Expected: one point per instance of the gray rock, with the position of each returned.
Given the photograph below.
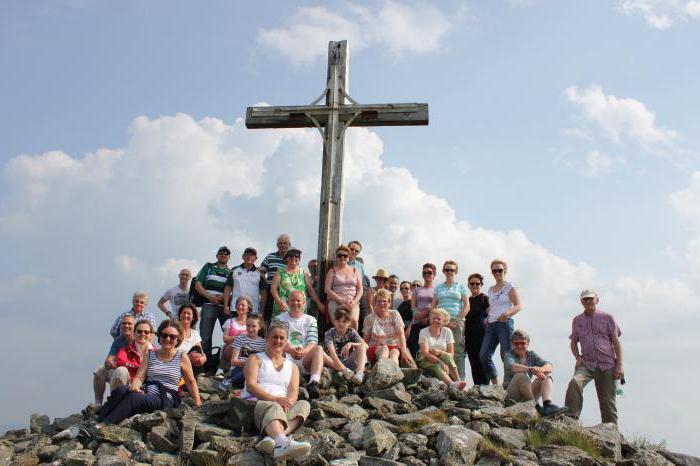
(424, 416)
(67, 434)
(607, 438)
(511, 438)
(39, 423)
(107, 449)
(411, 375)
(412, 461)
(66, 448)
(376, 438)
(116, 434)
(432, 429)
(145, 422)
(207, 384)
(333, 423)
(373, 461)
(432, 384)
(430, 398)
(524, 411)
(372, 402)
(62, 423)
(385, 373)
(187, 436)
(646, 458)
(204, 432)
(343, 462)
(488, 413)
(457, 445)
(413, 440)
(492, 392)
(351, 400)
(139, 451)
(455, 421)
(80, 458)
(161, 439)
(111, 460)
(206, 458)
(165, 459)
(488, 461)
(479, 426)
(353, 413)
(249, 458)
(396, 393)
(551, 455)
(230, 446)
(47, 453)
(680, 459)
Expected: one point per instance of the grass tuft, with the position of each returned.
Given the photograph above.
(489, 448)
(563, 436)
(640, 441)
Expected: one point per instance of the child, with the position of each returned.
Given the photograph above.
(251, 342)
(340, 341)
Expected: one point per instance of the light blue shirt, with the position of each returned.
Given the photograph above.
(449, 298)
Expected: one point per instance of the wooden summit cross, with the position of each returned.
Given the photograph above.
(332, 119)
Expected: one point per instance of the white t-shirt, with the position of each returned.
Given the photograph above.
(245, 283)
(499, 302)
(238, 329)
(188, 343)
(396, 300)
(177, 297)
(302, 329)
(440, 342)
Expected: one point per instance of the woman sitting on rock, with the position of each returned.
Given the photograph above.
(437, 349)
(155, 384)
(236, 326)
(129, 356)
(383, 332)
(519, 366)
(191, 343)
(273, 380)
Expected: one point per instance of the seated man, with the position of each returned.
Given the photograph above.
(519, 366)
(302, 345)
(139, 301)
(345, 348)
(109, 371)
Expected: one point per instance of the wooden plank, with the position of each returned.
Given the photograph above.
(402, 114)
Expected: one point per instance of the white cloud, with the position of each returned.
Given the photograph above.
(180, 188)
(686, 202)
(597, 163)
(621, 119)
(402, 28)
(662, 14)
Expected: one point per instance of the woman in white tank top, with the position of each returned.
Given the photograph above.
(273, 380)
(504, 303)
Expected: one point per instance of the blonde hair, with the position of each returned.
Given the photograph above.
(386, 294)
(499, 261)
(451, 262)
(440, 312)
(343, 248)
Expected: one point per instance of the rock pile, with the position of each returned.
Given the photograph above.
(397, 417)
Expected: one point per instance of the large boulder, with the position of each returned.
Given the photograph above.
(353, 413)
(607, 438)
(646, 458)
(492, 392)
(376, 439)
(552, 455)
(116, 434)
(385, 373)
(511, 438)
(457, 445)
(679, 459)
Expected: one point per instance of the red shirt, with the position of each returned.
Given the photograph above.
(129, 357)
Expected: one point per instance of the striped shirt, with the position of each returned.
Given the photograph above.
(271, 263)
(213, 278)
(248, 346)
(168, 373)
(302, 330)
(115, 331)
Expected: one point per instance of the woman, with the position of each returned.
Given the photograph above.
(191, 344)
(421, 303)
(437, 346)
(519, 366)
(381, 280)
(474, 327)
(161, 370)
(273, 380)
(452, 297)
(344, 286)
(291, 277)
(504, 303)
(236, 325)
(405, 308)
(383, 332)
(129, 356)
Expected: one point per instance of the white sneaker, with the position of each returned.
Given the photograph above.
(358, 378)
(291, 450)
(266, 445)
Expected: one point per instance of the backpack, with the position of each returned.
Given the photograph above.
(196, 298)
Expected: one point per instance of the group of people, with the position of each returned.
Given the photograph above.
(273, 320)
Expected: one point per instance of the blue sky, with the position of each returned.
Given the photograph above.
(563, 136)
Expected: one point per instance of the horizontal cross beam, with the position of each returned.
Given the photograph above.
(369, 115)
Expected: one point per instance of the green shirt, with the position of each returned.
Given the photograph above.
(213, 278)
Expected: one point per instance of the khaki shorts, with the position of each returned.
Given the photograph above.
(333, 305)
(115, 377)
(268, 411)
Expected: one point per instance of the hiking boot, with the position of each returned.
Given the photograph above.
(266, 445)
(552, 410)
(538, 408)
(313, 390)
(291, 450)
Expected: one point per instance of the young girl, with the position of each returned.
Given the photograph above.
(251, 342)
(236, 325)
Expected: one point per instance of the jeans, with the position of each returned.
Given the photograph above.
(210, 314)
(122, 404)
(237, 377)
(497, 333)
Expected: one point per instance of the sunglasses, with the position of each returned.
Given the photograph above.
(427, 272)
(474, 284)
(498, 270)
(168, 336)
(143, 332)
(449, 270)
(519, 343)
(343, 255)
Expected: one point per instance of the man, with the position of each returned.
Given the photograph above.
(354, 261)
(268, 267)
(393, 286)
(177, 295)
(595, 343)
(109, 372)
(210, 284)
(138, 310)
(302, 345)
(244, 280)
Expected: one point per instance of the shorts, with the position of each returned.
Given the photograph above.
(348, 362)
(372, 352)
(267, 411)
(333, 305)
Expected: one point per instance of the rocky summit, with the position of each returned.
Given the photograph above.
(398, 417)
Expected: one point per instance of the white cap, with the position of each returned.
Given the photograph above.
(589, 293)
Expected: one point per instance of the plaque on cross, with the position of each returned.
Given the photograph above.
(332, 119)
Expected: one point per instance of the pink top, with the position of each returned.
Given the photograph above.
(595, 333)
(424, 297)
(343, 286)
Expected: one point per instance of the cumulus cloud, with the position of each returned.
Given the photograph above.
(179, 188)
(620, 119)
(598, 163)
(662, 14)
(686, 203)
(402, 28)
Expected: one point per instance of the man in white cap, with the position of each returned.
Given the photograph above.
(595, 343)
